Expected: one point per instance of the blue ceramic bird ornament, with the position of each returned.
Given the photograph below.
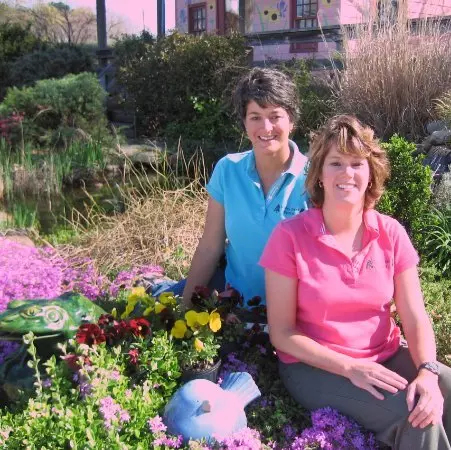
(202, 409)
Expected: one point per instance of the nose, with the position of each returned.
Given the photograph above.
(267, 125)
(349, 170)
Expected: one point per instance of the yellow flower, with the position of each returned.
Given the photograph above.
(136, 294)
(215, 321)
(195, 319)
(179, 329)
(147, 311)
(159, 307)
(198, 344)
(168, 299)
(114, 313)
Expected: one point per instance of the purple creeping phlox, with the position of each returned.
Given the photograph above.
(112, 413)
(158, 429)
(331, 430)
(30, 272)
(245, 439)
(233, 364)
(127, 278)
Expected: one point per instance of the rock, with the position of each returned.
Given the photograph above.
(420, 150)
(149, 158)
(132, 149)
(441, 137)
(438, 159)
(436, 125)
(17, 236)
(112, 170)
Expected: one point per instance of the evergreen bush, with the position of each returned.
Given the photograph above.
(59, 111)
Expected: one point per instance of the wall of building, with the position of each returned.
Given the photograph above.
(427, 8)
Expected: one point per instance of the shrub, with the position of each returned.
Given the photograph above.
(315, 96)
(408, 191)
(393, 73)
(163, 76)
(60, 111)
(15, 41)
(442, 192)
(437, 297)
(437, 240)
(53, 62)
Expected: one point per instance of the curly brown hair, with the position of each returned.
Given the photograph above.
(351, 137)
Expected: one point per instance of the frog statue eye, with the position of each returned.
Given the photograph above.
(32, 311)
(53, 314)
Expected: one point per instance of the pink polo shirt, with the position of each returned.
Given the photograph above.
(343, 303)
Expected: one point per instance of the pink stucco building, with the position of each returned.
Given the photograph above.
(283, 29)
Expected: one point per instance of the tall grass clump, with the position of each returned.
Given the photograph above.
(35, 172)
(162, 223)
(393, 71)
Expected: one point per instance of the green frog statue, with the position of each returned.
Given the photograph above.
(51, 321)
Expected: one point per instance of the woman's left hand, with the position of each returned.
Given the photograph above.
(429, 408)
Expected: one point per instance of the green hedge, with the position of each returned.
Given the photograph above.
(59, 111)
(179, 80)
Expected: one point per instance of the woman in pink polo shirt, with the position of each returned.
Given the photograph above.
(331, 273)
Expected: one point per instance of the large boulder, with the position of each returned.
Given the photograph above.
(438, 159)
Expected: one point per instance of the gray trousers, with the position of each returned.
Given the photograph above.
(315, 388)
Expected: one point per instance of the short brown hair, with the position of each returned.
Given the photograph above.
(350, 136)
(266, 87)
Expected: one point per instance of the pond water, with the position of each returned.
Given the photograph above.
(54, 211)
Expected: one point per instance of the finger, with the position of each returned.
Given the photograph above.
(420, 411)
(411, 390)
(389, 381)
(382, 385)
(373, 391)
(423, 416)
(394, 378)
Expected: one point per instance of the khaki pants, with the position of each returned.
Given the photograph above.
(315, 388)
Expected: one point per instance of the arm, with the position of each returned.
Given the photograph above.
(208, 251)
(281, 298)
(420, 337)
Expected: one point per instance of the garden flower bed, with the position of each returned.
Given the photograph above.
(109, 387)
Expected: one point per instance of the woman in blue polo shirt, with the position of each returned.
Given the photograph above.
(251, 192)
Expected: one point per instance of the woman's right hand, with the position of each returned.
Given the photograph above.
(371, 375)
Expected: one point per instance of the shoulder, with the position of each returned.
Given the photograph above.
(232, 159)
(307, 222)
(386, 223)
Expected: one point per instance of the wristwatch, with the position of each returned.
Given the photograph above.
(432, 366)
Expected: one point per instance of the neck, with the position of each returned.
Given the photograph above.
(273, 164)
(342, 220)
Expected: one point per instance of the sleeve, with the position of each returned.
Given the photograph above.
(215, 187)
(279, 253)
(405, 255)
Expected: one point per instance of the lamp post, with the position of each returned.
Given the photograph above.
(160, 18)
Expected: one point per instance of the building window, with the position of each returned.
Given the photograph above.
(305, 14)
(198, 19)
(387, 11)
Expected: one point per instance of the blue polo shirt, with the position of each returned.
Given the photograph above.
(250, 217)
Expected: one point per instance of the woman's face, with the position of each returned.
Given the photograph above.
(268, 128)
(345, 178)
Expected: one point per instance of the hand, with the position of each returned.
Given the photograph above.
(429, 408)
(371, 375)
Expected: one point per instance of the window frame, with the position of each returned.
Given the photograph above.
(191, 9)
(306, 17)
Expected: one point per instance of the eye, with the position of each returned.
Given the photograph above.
(32, 311)
(53, 315)
(357, 164)
(335, 164)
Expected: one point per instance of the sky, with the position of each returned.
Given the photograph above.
(134, 12)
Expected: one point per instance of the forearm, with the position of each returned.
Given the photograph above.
(421, 341)
(311, 352)
(203, 266)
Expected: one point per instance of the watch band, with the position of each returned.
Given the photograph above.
(432, 366)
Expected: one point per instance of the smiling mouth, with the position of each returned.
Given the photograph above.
(346, 186)
(267, 138)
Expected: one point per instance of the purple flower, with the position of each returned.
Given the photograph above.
(47, 382)
(156, 424)
(112, 413)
